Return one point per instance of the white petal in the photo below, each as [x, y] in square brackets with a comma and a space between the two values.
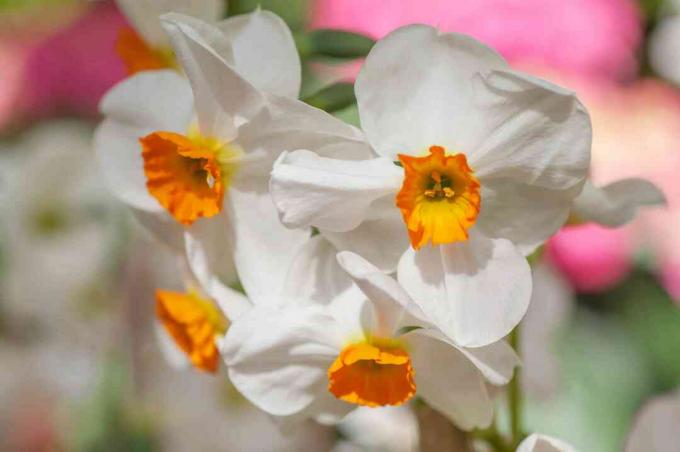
[496, 361]
[476, 291]
[146, 102]
[289, 124]
[381, 238]
[328, 193]
[224, 99]
[529, 131]
[544, 443]
[209, 255]
[390, 301]
[163, 227]
[550, 310]
[315, 275]
[416, 89]
[449, 382]
[656, 425]
[263, 247]
[278, 358]
[144, 15]
[525, 214]
[264, 52]
[617, 203]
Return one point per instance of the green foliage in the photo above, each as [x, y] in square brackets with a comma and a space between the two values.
[293, 12]
[333, 98]
[333, 44]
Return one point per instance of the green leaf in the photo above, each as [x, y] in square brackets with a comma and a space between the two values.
[333, 98]
[333, 43]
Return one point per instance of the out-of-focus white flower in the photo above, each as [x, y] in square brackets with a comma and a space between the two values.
[319, 349]
[391, 429]
[544, 443]
[492, 160]
[146, 46]
[656, 425]
[550, 310]
[617, 203]
[664, 48]
[207, 147]
[54, 216]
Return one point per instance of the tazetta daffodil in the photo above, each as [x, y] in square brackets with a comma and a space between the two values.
[321, 350]
[145, 45]
[474, 159]
[195, 156]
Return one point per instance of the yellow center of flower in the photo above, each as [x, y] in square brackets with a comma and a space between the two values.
[374, 372]
[439, 199]
[193, 323]
[188, 175]
[138, 56]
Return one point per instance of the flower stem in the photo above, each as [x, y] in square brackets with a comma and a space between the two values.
[515, 395]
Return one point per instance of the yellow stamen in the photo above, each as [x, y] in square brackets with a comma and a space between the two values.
[374, 372]
[439, 199]
[193, 322]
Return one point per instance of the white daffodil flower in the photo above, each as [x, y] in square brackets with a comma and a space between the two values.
[195, 156]
[145, 45]
[479, 161]
[320, 349]
[544, 443]
[616, 203]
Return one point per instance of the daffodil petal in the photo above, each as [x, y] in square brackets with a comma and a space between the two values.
[393, 307]
[529, 131]
[264, 52]
[331, 194]
[416, 90]
[525, 214]
[277, 358]
[224, 99]
[476, 291]
[616, 203]
[263, 247]
[449, 382]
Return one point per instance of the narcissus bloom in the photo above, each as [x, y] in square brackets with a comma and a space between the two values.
[145, 46]
[323, 350]
[477, 165]
[196, 156]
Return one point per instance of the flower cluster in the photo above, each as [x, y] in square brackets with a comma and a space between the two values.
[376, 264]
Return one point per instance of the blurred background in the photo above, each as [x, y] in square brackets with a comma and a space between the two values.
[83, 366]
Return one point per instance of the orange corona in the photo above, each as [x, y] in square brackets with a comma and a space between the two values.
[193, 323]
[185, 174]
[372, 373]
[138, 56]
[439, 199]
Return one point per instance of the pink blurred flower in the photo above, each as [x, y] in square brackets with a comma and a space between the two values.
[593, 38]
[591, 257]
[636, 133]
[72, 69]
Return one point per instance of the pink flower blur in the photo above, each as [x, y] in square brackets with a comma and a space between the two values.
[592, 38]
[592, 258]
[71, 70]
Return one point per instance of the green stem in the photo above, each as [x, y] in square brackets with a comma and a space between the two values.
[515, 395]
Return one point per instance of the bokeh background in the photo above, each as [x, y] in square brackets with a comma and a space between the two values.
[83, 366]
